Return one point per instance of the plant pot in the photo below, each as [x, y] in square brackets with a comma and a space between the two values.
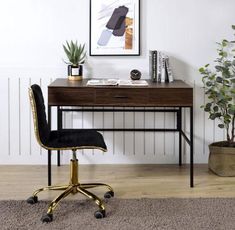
[75, 72]
[222, 159]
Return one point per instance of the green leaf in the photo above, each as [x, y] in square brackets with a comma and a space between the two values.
[232, 91]
[219, 68]
[212, 116]
[206, 109]
[67, 52]
[224, 43]
[233, 27]
[221, 126]
[219, 79]
[231, 110]
[201, 70]
[208, 84]
[68, 45]
[216, 108]
[208, 105]
[223, 54]
[227, 117]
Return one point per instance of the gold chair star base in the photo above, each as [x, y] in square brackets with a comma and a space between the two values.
[72, 188]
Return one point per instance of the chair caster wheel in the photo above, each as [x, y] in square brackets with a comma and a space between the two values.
[99, 214]
[109, 194]
[47, 218]
[32, 200]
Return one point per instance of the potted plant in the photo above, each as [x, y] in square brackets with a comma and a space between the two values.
[76, 57]
[219, 84]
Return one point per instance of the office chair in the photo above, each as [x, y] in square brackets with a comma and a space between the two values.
[65, 139]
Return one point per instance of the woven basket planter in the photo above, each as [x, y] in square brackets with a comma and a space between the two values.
[222, 160]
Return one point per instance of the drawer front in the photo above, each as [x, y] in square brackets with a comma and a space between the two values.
[71, 96]
[121, 97]
[171, 97]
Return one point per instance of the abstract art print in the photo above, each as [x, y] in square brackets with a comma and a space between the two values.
[114, 27]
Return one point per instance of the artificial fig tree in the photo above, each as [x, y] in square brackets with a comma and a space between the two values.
[219, 85]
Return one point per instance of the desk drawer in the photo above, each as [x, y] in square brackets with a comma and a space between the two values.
[171, 97]
[121, 97]
[71, 96]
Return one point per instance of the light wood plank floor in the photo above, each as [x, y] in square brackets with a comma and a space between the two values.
[128, 181]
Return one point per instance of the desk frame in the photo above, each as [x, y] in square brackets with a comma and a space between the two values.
[63, 95]
[177, 110]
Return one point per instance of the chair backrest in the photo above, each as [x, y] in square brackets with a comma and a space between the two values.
[41, 127]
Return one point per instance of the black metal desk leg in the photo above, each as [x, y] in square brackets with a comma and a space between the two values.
[49, 151]
[179, 128]
[191, 148]
[59, 126]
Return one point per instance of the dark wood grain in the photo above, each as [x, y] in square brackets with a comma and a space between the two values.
[64, 92]
[121, 97]
[171, 97]
[71, 96]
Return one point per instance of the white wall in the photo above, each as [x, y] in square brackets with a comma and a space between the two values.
[32, 33]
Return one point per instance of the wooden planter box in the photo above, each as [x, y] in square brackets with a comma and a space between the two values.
[222, 160]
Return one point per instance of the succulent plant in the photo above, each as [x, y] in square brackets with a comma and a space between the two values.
[75, 53]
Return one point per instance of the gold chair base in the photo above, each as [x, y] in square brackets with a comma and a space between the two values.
[72, 188]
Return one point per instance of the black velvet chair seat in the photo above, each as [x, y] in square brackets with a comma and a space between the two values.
[76, 138]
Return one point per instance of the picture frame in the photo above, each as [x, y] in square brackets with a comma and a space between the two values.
[114, 28]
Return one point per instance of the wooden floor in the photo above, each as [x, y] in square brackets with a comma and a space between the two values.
[128, 181]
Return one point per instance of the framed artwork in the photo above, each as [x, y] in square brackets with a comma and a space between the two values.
[114, 27]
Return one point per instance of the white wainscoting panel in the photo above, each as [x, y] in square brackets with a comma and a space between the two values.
[19, 146]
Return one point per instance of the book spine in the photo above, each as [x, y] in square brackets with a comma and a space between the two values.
[153, 65]
[169, 71]
[163, 70]
[159, 66]
[167, 76]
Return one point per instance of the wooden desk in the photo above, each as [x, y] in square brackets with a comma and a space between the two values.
[177, 94]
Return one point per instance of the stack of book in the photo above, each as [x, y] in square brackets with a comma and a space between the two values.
[160, 70]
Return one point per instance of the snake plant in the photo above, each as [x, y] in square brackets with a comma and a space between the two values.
[75, 53]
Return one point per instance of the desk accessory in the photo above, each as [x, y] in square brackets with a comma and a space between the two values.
[135, 74]
[159, 67]
[76, 55]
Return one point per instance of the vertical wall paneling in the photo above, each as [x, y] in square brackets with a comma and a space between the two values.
[9, 116]
[118, 136]
[149, 136]
[128, 136]
[169, 136]
[108, 122]
[36, 149]
[139, 136]
[14, 117]
[24, 118]
[20, 147]
[19, 121]
[159, 137]
[30, 124]
[4, 121]
[199, 123]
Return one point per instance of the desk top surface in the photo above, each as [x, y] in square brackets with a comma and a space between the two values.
[65, 83]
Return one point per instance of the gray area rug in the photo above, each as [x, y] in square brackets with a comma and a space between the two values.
[190, 214]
